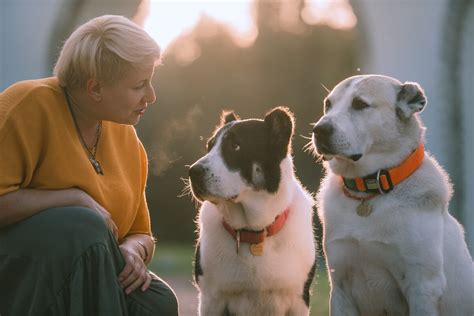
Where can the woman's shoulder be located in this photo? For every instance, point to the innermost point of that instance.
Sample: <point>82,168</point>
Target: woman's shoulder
<point>19,96</point>
<point>25,88</point>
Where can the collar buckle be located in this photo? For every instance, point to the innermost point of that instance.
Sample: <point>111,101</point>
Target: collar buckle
<point>386,175</point>
<point>380,182</point>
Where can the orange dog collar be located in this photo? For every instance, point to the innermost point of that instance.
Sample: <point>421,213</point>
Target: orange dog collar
<point>384,180</point>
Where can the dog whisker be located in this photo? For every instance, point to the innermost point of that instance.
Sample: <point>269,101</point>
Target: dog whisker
<point>306,137</point>
<point>308,147</point>
<point>325,88</point>
<point>187,191</point>
<point>187,188</point>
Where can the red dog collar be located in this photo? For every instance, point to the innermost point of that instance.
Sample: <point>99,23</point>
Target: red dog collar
<point>256,237</point>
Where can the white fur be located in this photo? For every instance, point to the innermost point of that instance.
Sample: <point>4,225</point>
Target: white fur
<point>409,256</point>
<point>271,284</point>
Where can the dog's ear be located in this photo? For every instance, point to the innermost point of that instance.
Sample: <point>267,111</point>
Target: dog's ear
<point>410,99</point>
<point>280,125</point>
<point>228,116</point>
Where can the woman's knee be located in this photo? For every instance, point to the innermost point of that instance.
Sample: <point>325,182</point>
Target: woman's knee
<point>169,302</point>
<point>160,299</point>
<point>76,221</point>
<point>67,230</point>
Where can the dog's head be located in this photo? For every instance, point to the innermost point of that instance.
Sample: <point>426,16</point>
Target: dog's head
<point>366,117</point>
<point>243,155</point>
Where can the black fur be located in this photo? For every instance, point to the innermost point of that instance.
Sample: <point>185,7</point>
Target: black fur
<point>197,263</point>
<point>307,285</point>
<point>265,143</point>
<point>410,99</point>
<point>411,93</point>
<point>228,116</point>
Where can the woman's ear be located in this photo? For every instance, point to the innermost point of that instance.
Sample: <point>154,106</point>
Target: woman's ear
<point>94,89</point>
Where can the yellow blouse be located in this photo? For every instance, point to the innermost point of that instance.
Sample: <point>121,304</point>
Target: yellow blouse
<point>40,149</point>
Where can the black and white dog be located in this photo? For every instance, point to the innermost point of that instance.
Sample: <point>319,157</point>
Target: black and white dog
<point>256,252</point>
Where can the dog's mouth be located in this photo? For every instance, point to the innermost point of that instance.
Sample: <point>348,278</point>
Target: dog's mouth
<point>324,150</point>
<point>232,199</point>
<point>328,154</point>
<point>198,192</point>
<point>201,194</point>
<point>353,158</point>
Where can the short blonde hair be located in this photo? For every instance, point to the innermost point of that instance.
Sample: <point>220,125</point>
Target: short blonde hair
<point>104,48</point>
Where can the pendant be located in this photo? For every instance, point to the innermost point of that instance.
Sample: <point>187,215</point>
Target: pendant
<point>96,165</point>
<point>364,209</point>
<point>256,249</point>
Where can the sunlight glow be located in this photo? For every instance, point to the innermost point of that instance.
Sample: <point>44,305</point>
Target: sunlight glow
<point>169,19</point>
<point>337,13</point>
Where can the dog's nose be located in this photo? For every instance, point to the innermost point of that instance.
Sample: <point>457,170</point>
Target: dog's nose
<point>323,131</point>
<point>196,172</point>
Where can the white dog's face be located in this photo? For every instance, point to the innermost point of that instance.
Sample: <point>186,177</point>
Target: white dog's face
<point>243,155</point>
<point>365,115</point>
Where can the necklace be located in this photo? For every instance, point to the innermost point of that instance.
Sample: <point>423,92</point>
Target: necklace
<point>91,152</point>
<point>364,209</point>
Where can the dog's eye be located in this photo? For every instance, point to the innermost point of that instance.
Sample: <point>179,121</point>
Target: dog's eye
<point>327,105</point>
<point>358,104</point>
<point>235,146</point>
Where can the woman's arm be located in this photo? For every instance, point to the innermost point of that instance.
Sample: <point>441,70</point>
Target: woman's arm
<point>23,203</point>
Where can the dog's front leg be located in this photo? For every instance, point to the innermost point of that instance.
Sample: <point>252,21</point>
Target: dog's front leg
<point>423,281</point>
<point>341,304</point>
<point>424,291</point>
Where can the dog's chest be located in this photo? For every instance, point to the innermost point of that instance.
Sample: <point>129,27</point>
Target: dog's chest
<point>284,262</point>
<point>341,217</point>
<point>364,252</point>
<point>278,265</point>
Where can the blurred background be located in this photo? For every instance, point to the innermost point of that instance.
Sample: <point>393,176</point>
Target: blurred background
<point>250,56</point>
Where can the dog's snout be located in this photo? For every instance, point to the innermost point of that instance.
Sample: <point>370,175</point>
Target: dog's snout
<point>323,131</point>
<point>196,172</point>
<point>197,175</point>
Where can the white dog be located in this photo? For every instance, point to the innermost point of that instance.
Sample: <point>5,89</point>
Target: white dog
<point>256,250</point>
<point>391,246</point>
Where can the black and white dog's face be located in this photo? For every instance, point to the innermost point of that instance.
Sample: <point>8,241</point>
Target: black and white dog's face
<point>243,155</point>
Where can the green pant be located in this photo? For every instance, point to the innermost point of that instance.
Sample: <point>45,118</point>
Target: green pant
<point>64,261</point>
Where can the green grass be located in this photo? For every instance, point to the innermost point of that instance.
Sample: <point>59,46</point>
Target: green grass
<point>173,259</point>
<point>176,260</point>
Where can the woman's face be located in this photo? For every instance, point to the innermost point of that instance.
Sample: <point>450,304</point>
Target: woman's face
<point>126,100</point>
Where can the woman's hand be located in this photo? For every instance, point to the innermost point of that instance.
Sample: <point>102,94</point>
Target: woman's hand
<point>86,200</point>
<point>135,272</point>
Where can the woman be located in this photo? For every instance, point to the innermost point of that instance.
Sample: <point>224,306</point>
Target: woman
<point>75,233</point>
